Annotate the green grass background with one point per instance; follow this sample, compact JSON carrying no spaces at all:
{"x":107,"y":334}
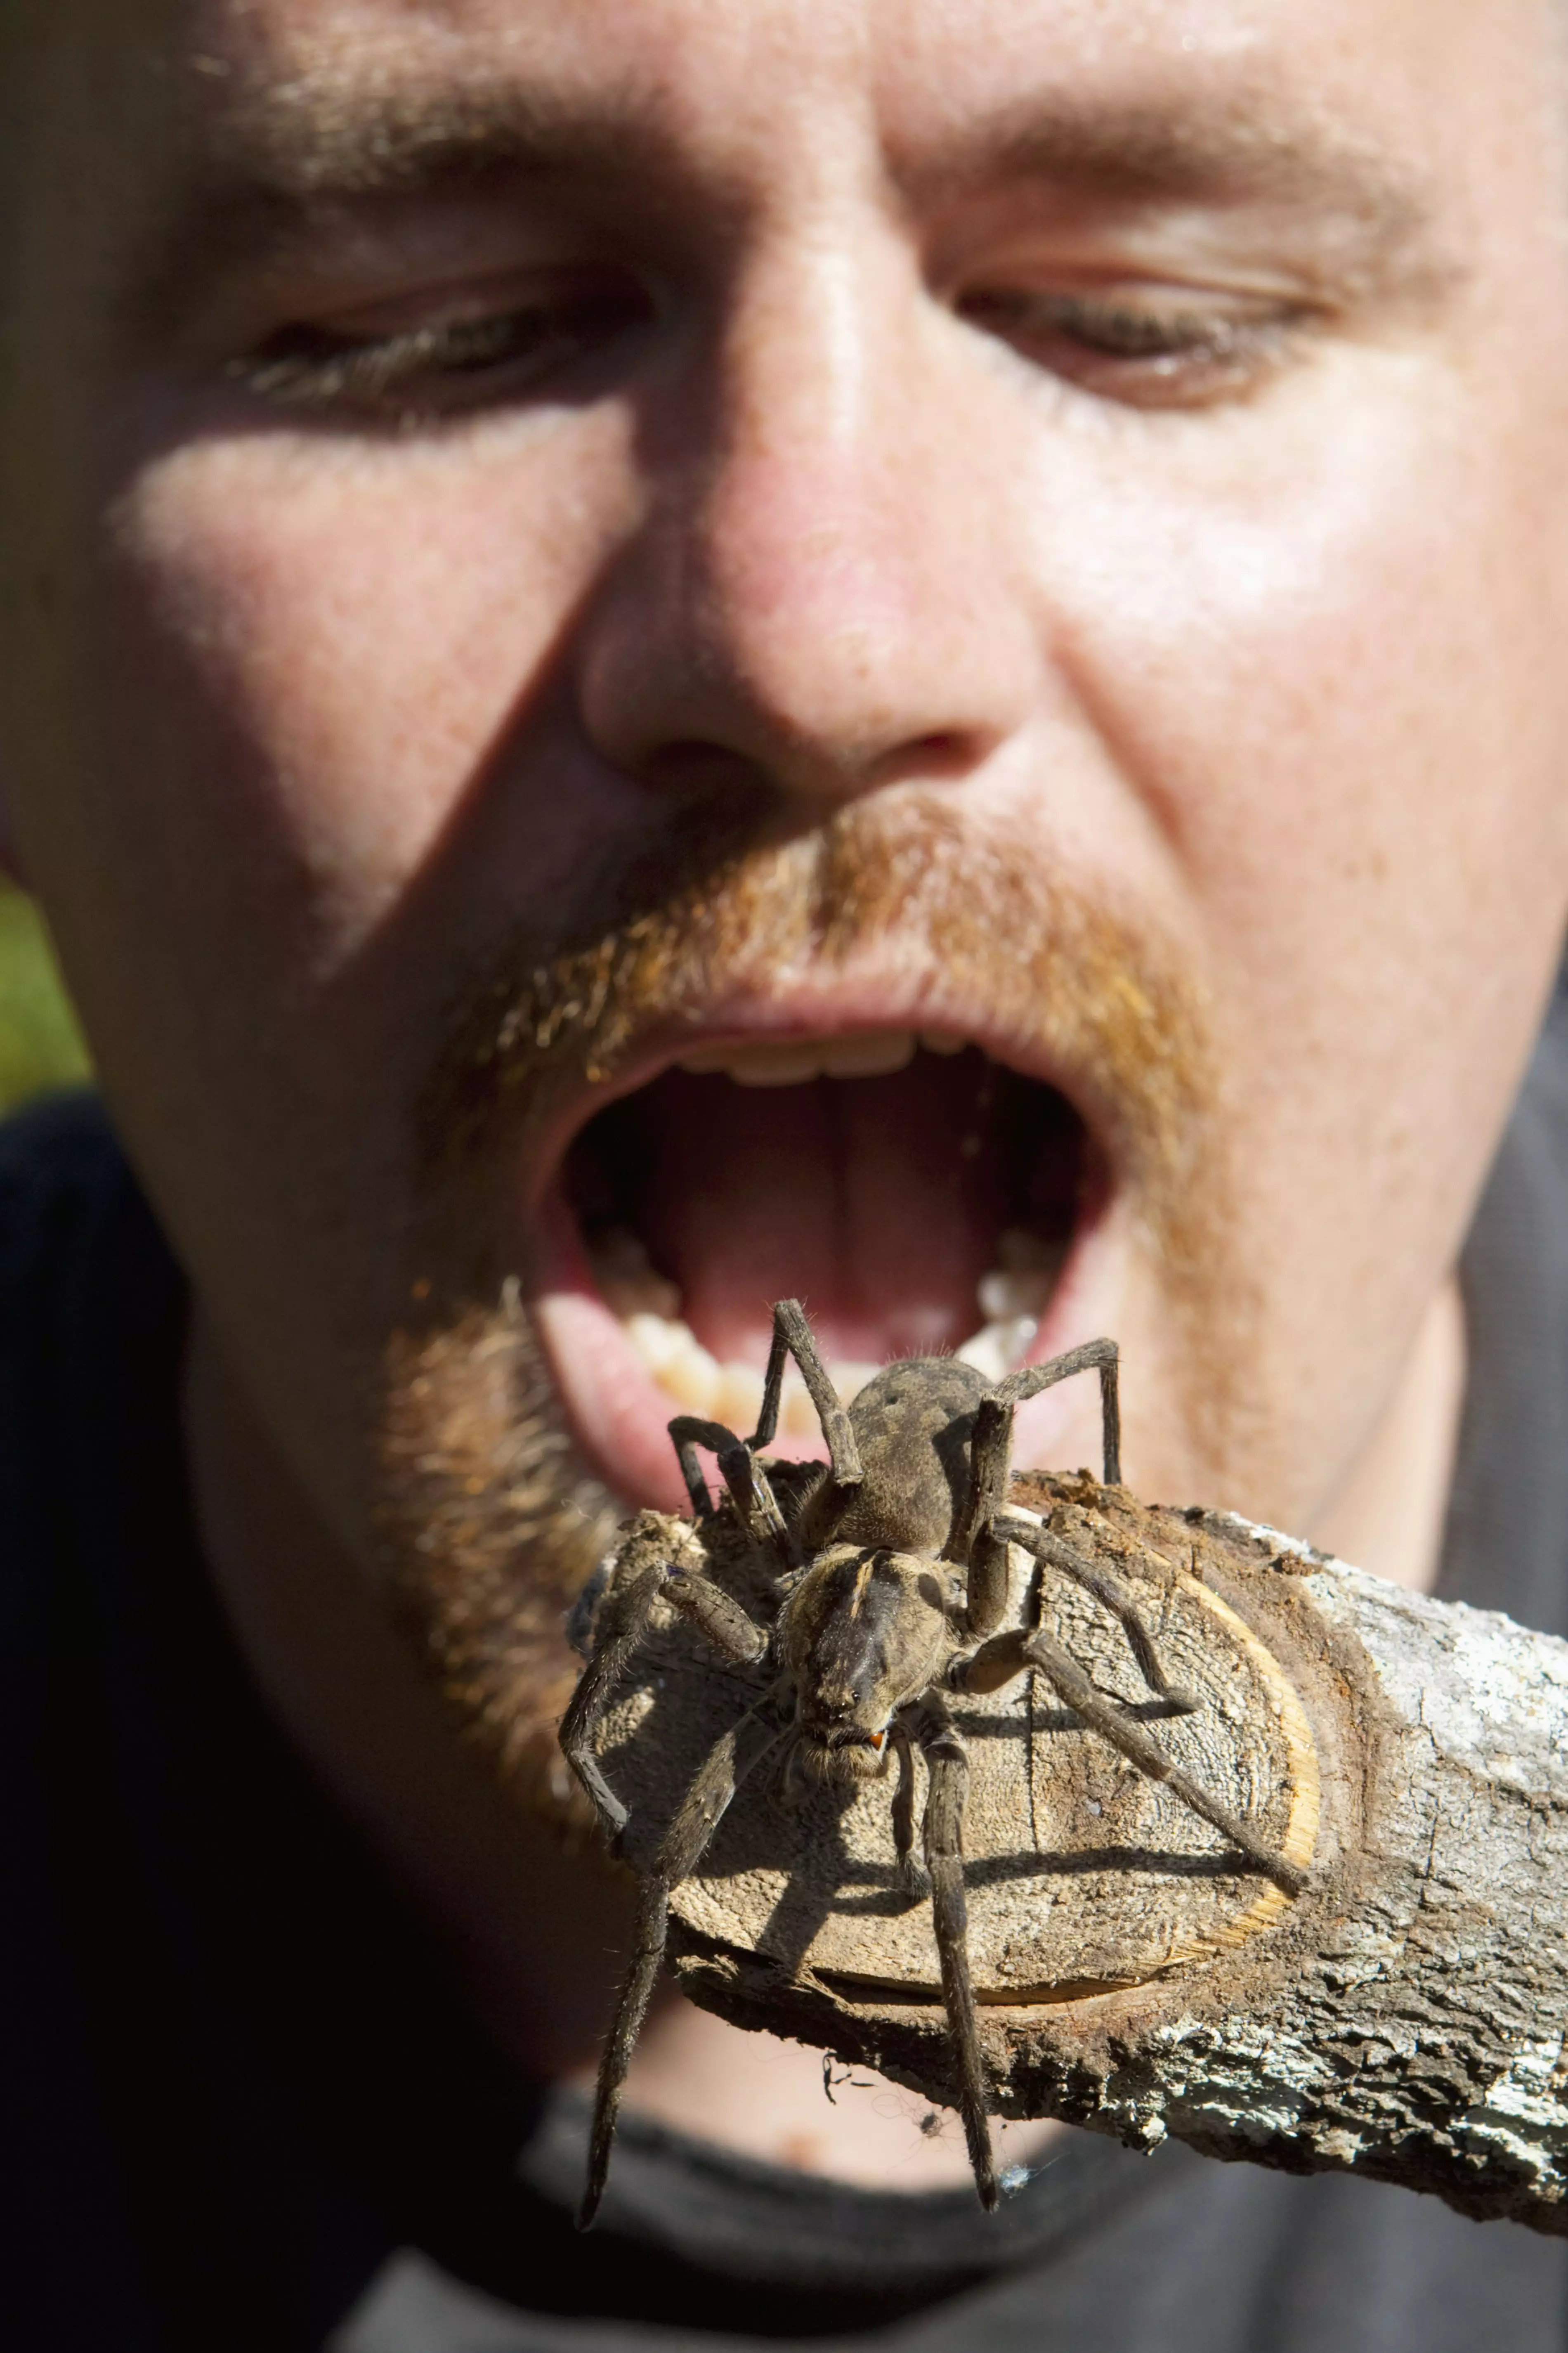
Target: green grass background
{"x":41,"y":1044}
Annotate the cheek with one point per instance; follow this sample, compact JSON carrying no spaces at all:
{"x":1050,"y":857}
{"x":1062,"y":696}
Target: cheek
{"x":1319,"y":638}
{"x":365,"y":625}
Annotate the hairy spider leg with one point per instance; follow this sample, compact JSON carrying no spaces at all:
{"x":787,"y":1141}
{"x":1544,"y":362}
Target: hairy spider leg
{"x":947,"y":1772}
{"x":623,"y":1623}
{"x":793,"y":1336}
{"x":991,"y":1467}
{"x":1101,"y":1356}
{"x":1010,"y":1527}
{"x":745,"y":1476}
{"x":734,"y":1754}
{"x":904,"y":1810}
{"x":1006,"y":1656}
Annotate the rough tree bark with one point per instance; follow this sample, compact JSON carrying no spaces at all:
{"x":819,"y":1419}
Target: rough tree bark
{"x":1405,"y":2017}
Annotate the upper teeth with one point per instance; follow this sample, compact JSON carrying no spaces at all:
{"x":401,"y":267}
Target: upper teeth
{"x":792,"y":1061}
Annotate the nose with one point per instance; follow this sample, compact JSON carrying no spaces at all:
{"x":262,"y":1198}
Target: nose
{"x":822,"y":595}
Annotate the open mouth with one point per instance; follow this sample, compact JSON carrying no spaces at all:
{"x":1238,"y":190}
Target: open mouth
{"x":918,"y":1195}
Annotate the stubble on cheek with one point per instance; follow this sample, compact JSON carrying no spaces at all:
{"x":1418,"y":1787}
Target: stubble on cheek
{"x":490,"y":1518}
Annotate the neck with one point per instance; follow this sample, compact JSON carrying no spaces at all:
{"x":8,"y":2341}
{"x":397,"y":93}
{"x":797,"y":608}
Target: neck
{"x":529,"y":1937}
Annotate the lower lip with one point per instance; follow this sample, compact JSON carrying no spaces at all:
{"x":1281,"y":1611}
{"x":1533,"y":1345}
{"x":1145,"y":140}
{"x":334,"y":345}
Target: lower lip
{"x":618,"y":1413}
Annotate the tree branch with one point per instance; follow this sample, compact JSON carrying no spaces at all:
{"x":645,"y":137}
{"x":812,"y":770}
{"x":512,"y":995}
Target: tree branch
{"x":1405,"y":2017}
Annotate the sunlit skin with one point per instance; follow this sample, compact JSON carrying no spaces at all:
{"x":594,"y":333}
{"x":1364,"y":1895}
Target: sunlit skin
{"x":1139,"y":426}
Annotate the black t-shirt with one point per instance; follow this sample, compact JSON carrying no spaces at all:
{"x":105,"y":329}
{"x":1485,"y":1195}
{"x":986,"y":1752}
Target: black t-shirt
{"x":237,"y":2112}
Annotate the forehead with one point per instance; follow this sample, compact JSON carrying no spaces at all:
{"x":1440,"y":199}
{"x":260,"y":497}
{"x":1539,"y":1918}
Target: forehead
{"x":896,"y":42}
{"x":917,"y":75}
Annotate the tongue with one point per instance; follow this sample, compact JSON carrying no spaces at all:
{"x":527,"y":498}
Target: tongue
{"x":877,"y":1201}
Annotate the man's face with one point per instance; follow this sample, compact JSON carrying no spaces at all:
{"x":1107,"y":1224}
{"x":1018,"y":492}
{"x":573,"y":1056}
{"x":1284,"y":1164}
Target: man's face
{"x":550,"y":545}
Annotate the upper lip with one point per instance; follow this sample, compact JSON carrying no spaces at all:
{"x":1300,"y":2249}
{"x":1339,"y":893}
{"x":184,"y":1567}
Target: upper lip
{"x":804,"y":1011}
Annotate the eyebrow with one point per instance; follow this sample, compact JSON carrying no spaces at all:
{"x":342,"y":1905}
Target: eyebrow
{"x":329,"y":130}
{"x":1252,"y":148}
{"x":261,"y":168}
{"x":258,"y":171}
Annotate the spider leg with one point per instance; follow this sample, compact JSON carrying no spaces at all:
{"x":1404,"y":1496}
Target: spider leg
{"x":623,"y":1623}
{"x":796,"y":1785}
{"x":903,"y":1810}
{"x":947,"y":1766}
{"x":717,"y":1618}
{"x":748,"y":1483}
{"x":1101,"y":1356}
{"x":1009,"y":1528}
{"x":1007,"y":1655}
{"x":984,"y":1556}
{"x":793,"y":1336}
{"x":734,"y":1754}
{"x":624,"y":1620}
{"x":991,"y":1466}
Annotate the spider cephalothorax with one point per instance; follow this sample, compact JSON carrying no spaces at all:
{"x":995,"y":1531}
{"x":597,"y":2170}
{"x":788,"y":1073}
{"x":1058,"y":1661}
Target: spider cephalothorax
{"x":881,"y":1584}
{"x":861,"y":1635}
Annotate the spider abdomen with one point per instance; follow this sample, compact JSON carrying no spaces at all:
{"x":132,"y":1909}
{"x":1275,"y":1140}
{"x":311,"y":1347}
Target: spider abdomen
{"x":914,"y":1424}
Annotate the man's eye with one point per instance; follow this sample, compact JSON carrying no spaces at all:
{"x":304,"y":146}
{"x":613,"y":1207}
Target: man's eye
{"x":444,"y":367}
{"x":1149,"y":355}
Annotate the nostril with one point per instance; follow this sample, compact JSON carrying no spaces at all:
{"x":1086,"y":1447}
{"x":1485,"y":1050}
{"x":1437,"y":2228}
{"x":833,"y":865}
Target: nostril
{"x":945,"y":752}
{"x":691,"y":765}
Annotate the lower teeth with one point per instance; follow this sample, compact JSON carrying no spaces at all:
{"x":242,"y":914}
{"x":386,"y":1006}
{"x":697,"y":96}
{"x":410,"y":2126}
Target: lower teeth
{"x":1011,"y":1298}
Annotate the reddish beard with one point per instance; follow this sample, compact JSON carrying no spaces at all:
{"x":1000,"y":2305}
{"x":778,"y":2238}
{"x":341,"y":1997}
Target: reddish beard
{"x":491,"y":1517}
